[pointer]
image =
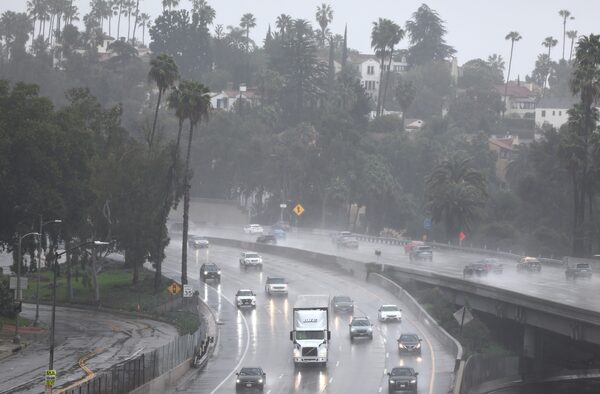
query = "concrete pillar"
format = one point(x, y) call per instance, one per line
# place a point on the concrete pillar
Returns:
point(533, 350)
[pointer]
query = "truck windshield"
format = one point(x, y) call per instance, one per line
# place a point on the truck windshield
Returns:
point(301, 335)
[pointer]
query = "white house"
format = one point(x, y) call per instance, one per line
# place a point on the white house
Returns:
point(553, 111)
point(368, 66)
point(226, 100)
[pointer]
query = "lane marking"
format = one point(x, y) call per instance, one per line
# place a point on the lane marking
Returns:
point(380, 389)
point(245, 350)
point(89, 373)
point(387, 354)
point(337, 364)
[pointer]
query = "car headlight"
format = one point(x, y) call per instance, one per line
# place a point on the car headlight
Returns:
point(401, 346)
point(413, 380)
point(418, 346)
point(205, 272)
point(322, 351)
point(391, 381)
point(297, 353)
point(259, 380)
point(237, 380)
point(219, 272)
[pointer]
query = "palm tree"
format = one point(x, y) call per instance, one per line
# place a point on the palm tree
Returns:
point(127, 11)
point(197, 106)
point(71, 13)
point(549, 42)
point(136, 13)
point(565, 14)
point(143, 21)
point(324, 17)
point(205, 11)
point(513, 36)
point(283, 23)
point(118, 11)
point(36, 9)
point(247, 22)
point(164, 72)
point(405, 95)
point(383, 35)
point(455, 194)
point(396, 34)
point(572, 34)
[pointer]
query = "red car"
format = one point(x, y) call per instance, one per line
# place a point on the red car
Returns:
point(410, 245)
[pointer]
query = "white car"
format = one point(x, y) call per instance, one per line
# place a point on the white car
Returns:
point(389, 312)
point(245, 298)
point(251, 260)
point(253, 229)
point(197, 242)
point(276, 286)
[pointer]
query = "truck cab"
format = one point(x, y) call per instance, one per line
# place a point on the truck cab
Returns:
point(310, 333)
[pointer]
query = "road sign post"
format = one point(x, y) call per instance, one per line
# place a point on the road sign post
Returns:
point(174, 288)
point(298, 210)
point(50, 379)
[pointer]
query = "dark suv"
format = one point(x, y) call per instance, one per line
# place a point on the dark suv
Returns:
point(579, 270)
point(250, 378)
point(402, 379)
point(267, 239)
point(343, 304)
point(360, 327)
point(409, 343)
point(210, 271)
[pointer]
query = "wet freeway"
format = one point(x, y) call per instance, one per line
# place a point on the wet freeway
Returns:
point(550, 284)
point(261, 337)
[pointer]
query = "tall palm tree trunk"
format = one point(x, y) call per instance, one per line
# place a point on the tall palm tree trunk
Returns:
point(119, 21)
point(571, 50)
point(564, 37)
point(512, 46)
point(186, 207)
point(382, 71)
point(387, 80)
point(160, 92)
point(135, 21)
point(166, 207)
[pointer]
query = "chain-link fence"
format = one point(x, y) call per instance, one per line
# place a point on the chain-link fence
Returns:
point(126, 376)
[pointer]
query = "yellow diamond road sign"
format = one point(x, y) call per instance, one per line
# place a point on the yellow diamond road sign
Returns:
point(174, 288)
point(298, 209)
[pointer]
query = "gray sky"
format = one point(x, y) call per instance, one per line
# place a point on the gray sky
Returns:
point(476, 28)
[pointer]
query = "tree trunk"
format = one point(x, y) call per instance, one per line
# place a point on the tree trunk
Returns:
point(387, 80)
point(135, 21)
point(512, 46)
point(381, 69)
point(564, 37)
point(119, 23)
point(95, 278)
point(69, 262)
point(155, 118)
point(571, 51)
point(186, 207)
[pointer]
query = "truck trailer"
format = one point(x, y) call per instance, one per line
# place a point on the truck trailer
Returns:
point(310, 333)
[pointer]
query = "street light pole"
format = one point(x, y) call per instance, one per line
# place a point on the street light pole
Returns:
point(37, 284)
point(17, 338)
point(55, 266)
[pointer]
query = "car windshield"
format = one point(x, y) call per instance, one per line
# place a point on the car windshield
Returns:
point(342, 299)
point(303, 335)
point(250, 372)
point(211, 267)
point(409, 338)
point(583, 266)
point(251, 256)
point(389, 308)
point(245, 293)
point(276, 281)
point(402, 372)
point(360, 322)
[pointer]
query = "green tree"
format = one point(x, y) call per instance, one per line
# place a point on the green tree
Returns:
point(247, 22)
point(284, 24)
point(427, 31)
point(164, 72)
point(581, 142)
point(455, 194)
point(405, 95)
point(384, 36)
point(549, 42)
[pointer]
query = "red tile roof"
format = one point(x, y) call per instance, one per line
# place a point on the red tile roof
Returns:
point(516, 91)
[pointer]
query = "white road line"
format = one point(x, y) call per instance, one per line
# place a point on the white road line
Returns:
point(337, 364)
point(245, 350)
point(330, 380)
point(280, 376)
point(387, 354)
point(380, 389)
point(385, 371)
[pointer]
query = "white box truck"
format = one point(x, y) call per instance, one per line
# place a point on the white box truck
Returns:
point(310, 333)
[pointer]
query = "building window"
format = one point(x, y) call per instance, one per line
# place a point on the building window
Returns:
point(559, 113)
point(553, 113)
point(543, 113)
point(370, 70)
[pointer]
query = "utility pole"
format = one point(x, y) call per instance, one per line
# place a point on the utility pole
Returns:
point(17, 338)
point(39, 267)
